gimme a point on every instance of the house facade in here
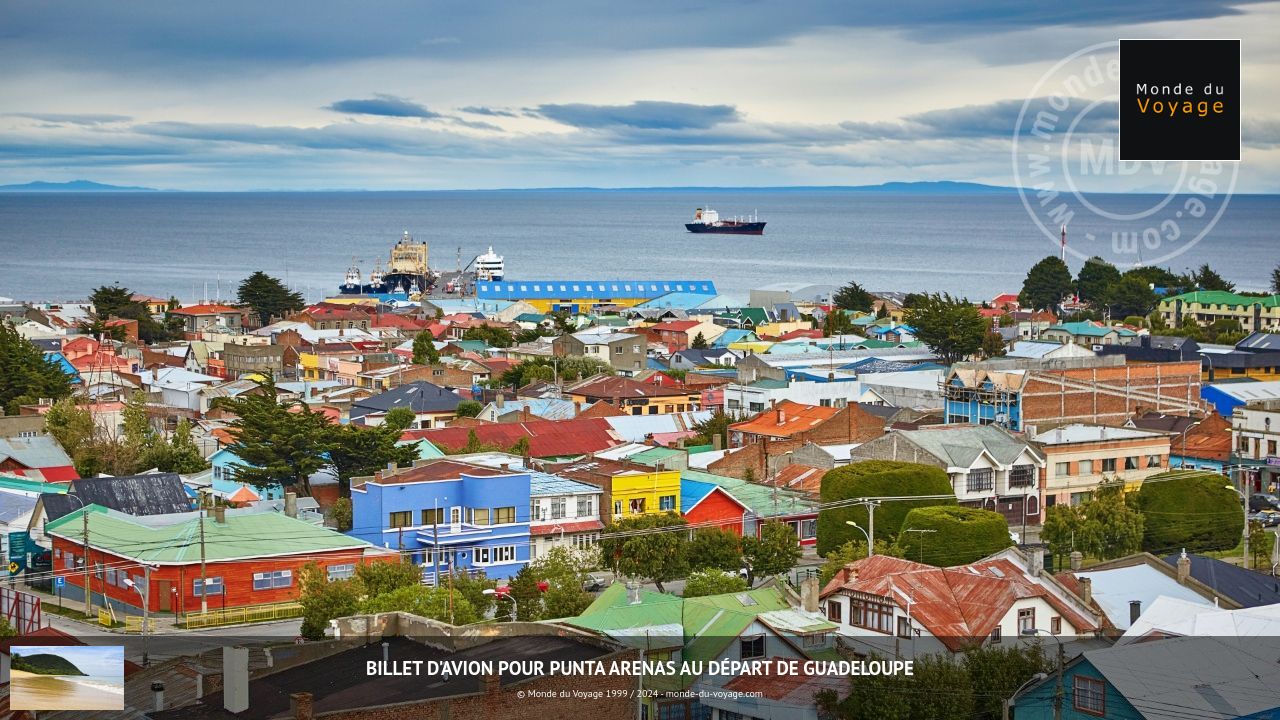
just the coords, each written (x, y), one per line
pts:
(624, 352)
(1255, 442)
(1205, 307)
(1079, 458)
(627, 489)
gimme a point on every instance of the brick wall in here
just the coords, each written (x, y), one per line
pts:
(1114, 394)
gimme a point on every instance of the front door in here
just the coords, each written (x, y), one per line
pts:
(165, 588)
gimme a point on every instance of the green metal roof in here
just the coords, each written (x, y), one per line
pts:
(16, 483)
(1222, 297)
(760, 499)
(250, 535)
(654, 455)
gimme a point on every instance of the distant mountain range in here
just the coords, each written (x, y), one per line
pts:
(72, 186)
(45, 664)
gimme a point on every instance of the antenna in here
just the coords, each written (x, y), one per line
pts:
(1064, 243)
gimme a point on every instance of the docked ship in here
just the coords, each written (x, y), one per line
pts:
(708, 221)
(407, 273)
(489, 266)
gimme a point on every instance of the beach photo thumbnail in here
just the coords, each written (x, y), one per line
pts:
(51, 677)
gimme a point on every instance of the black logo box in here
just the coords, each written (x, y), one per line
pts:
(1205, 73)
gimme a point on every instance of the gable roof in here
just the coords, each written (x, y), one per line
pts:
(421, 397)
(960, 445)
(151, 494)
(547, 438)
(1247, 588)
(786, 419)
(39, 452)
(206, 309)
(693, 492)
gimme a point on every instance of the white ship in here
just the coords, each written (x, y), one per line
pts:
(489, 266)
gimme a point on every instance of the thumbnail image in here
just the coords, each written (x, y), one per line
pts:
(66, 678)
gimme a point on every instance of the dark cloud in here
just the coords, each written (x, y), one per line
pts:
(73, 118)
(490, 112)
(991, 120)
(384, 106)
(642, 114)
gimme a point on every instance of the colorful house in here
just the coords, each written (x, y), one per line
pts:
(448, 515)
(706, 504)
(629, 489)
(225, 466)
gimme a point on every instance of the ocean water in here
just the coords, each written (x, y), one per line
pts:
(61, 246)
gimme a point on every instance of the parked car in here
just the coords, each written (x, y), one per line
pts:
(1268, 518)
(1263, 501)
(593, 584)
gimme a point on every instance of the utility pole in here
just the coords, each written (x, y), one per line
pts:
(204, 581)
(88, 590)
(871, 506)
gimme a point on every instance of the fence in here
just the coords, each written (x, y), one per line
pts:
(236, 616)
(21, 610)
(133, 623)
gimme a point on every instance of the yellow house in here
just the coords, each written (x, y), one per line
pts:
(778, 329)
(755, 346)
(1254, 313)
(629, 490)
(309, 365)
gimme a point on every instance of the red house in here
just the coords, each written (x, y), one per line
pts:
(251, 558)
(706, 504)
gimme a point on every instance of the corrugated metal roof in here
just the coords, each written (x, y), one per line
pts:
(547, 438)
(40, 451)
(634, 428)
(149, 494)
(589, 289)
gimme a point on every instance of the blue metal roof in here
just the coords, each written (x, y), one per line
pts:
(589, 289)
(681, 300)
(541, 483)
(692, 492)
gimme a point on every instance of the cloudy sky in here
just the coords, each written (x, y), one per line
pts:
(414, 94)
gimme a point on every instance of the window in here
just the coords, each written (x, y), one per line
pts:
(111, 577)
(1109, 465)
(341, 572)
(213, 585)
(269, 580)
(494, 555)
(404, 518)
(980, 480)
(637, 506)
(1131, 462)
(814, 640)
(69, 561)
(479, 516)
(1089, 695)
(1026, 620)
(996, 636)
(536, 512)
(835, 613)
(585, 506)
(434, 516)
(1153, 461)
(871, 615)
(1055, 625)
(667, 502)
(557, 508)
(904, 627)
(504, 515)
(752, 647)
(808, 529)
(617, 507)
(1022, 476)
(1086, 467)
(1062, 469)
(618, 350)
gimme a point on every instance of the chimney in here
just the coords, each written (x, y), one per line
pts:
(1184, 568)
(220, 515)
(1077, 560)
(157, 691)
(809, 594)
(1036, 562)
(1135, 611)
(291, 504)
(392, 467)
(500, 401)
(525, 415)
(633, 592)
(505, 465)
(301, 706)
(577, 408)
(1086, 590)
(782, 415)
(386, 654)
(235, 679)
(717, 442)
(773, 402)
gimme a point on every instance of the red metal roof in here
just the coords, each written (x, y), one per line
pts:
(584, 526)
(547, 438)
(209, 309)
(438, 470)
(804, 478)
(676, 325)
(609, 387)
(786, 419)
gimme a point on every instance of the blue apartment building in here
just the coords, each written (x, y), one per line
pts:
(447, 515)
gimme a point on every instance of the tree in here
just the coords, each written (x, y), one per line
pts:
(281, 443)
(359, 450)
(715, 549)
(1131, 296)
(322, 600)
(876, 478)
(853, 297)
(341, 513)
(952, 328)
(380, 578)
(6, 630)
(26, 375)
(852, 551)
(712, 582)
(993, 345)
(427, 601)
(1275, 280)
(491, 335)
(1047, 283)
(837, 322)
(1192, 510)
(1207, 279)
(1096, 279)
(469, 408)
(569, 369)
(1260, 543)
(74, 429)
(699, 342)
(267, 297)
(424, 349)
(472, 587)
(715, 426)
(113, 301)
(564, 570)
(1105, 526)
(178, 454)
(774, 552)
(959, 535)
(658, 555)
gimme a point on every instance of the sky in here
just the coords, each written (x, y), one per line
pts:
(101, 661)
(421, 94)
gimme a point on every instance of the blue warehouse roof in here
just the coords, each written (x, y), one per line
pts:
(589, 289)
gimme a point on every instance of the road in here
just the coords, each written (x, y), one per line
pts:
(168, 643)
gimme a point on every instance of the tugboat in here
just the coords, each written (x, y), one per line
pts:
(351, 285)
(708, 221)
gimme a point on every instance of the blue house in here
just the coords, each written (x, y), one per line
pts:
(447, 515)
(1187, 677)
(225, 467)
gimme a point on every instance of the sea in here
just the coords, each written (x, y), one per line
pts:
(59, 246)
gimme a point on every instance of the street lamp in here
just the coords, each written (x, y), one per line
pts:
(1244, 502)
(507, 595)
(1057, 694)
(145, 594)
(1005, 704)
(870, 550)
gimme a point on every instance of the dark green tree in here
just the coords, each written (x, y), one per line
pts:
(837, 322)
(323, 600)
(1105, 526)
(113, 301)
(853, 297)
(1131, 296)
(1192, 510)
(280, 442)
(775, 551)
(427, 601)
(712, 582)
(952, 328)
(564, 571)
(341, 514)
(1047, 283)
(1206, 278)
(955, 535)
(1275, 280)
(715, 426)
(380, 578)
(658, 555)
(267, 297)
(469, 408)
(358, 450)
(993, 345)
(26, 375)
(491, 335)
(851, 551)
(1095, 281)
(424, 349)
(713, 548)
(699, 342)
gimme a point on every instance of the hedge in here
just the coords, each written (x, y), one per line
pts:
(876, 478)
(960, 535)
(1192, 510)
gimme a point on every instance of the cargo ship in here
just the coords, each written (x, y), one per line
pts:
(407, 273)
(708, 221)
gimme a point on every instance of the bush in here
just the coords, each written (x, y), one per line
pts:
(876, 478)
(961, 535)
(713, 582)
(1192, 510)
